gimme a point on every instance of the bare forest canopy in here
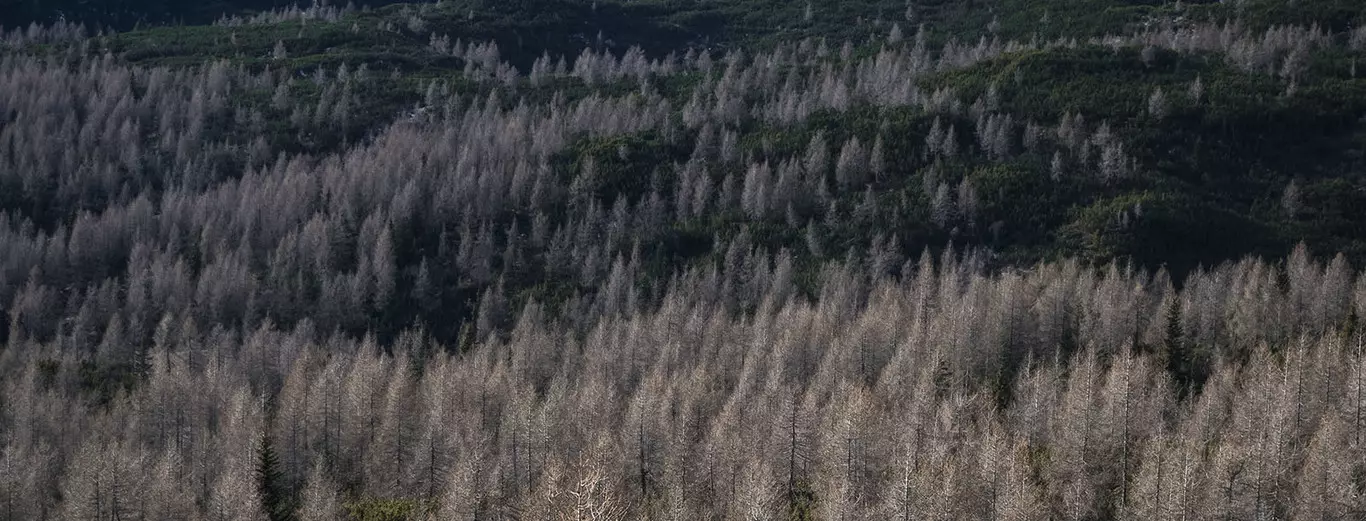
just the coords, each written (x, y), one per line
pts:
(683, 259)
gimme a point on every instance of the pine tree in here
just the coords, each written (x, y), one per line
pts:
(270, 482)
(1178, 354)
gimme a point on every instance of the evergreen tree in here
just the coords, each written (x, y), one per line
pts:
(270, 482)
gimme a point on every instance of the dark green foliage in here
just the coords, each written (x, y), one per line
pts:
(1336, 15)
(625, 166)
(1210, 173)
(270, 480)
(124, 14)
(1186, 366)
(103, 382)
(1332, 214)
(387, 510)
(1162, 229)
(802, 502)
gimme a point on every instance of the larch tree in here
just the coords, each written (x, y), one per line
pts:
(100, 484)
(1325, 487)
(320, 499)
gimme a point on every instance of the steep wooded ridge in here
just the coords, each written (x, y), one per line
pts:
(685, 259)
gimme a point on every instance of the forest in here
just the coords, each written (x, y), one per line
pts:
(1075, 260)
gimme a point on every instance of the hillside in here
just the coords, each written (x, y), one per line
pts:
(1209, 134)
(476, 225)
